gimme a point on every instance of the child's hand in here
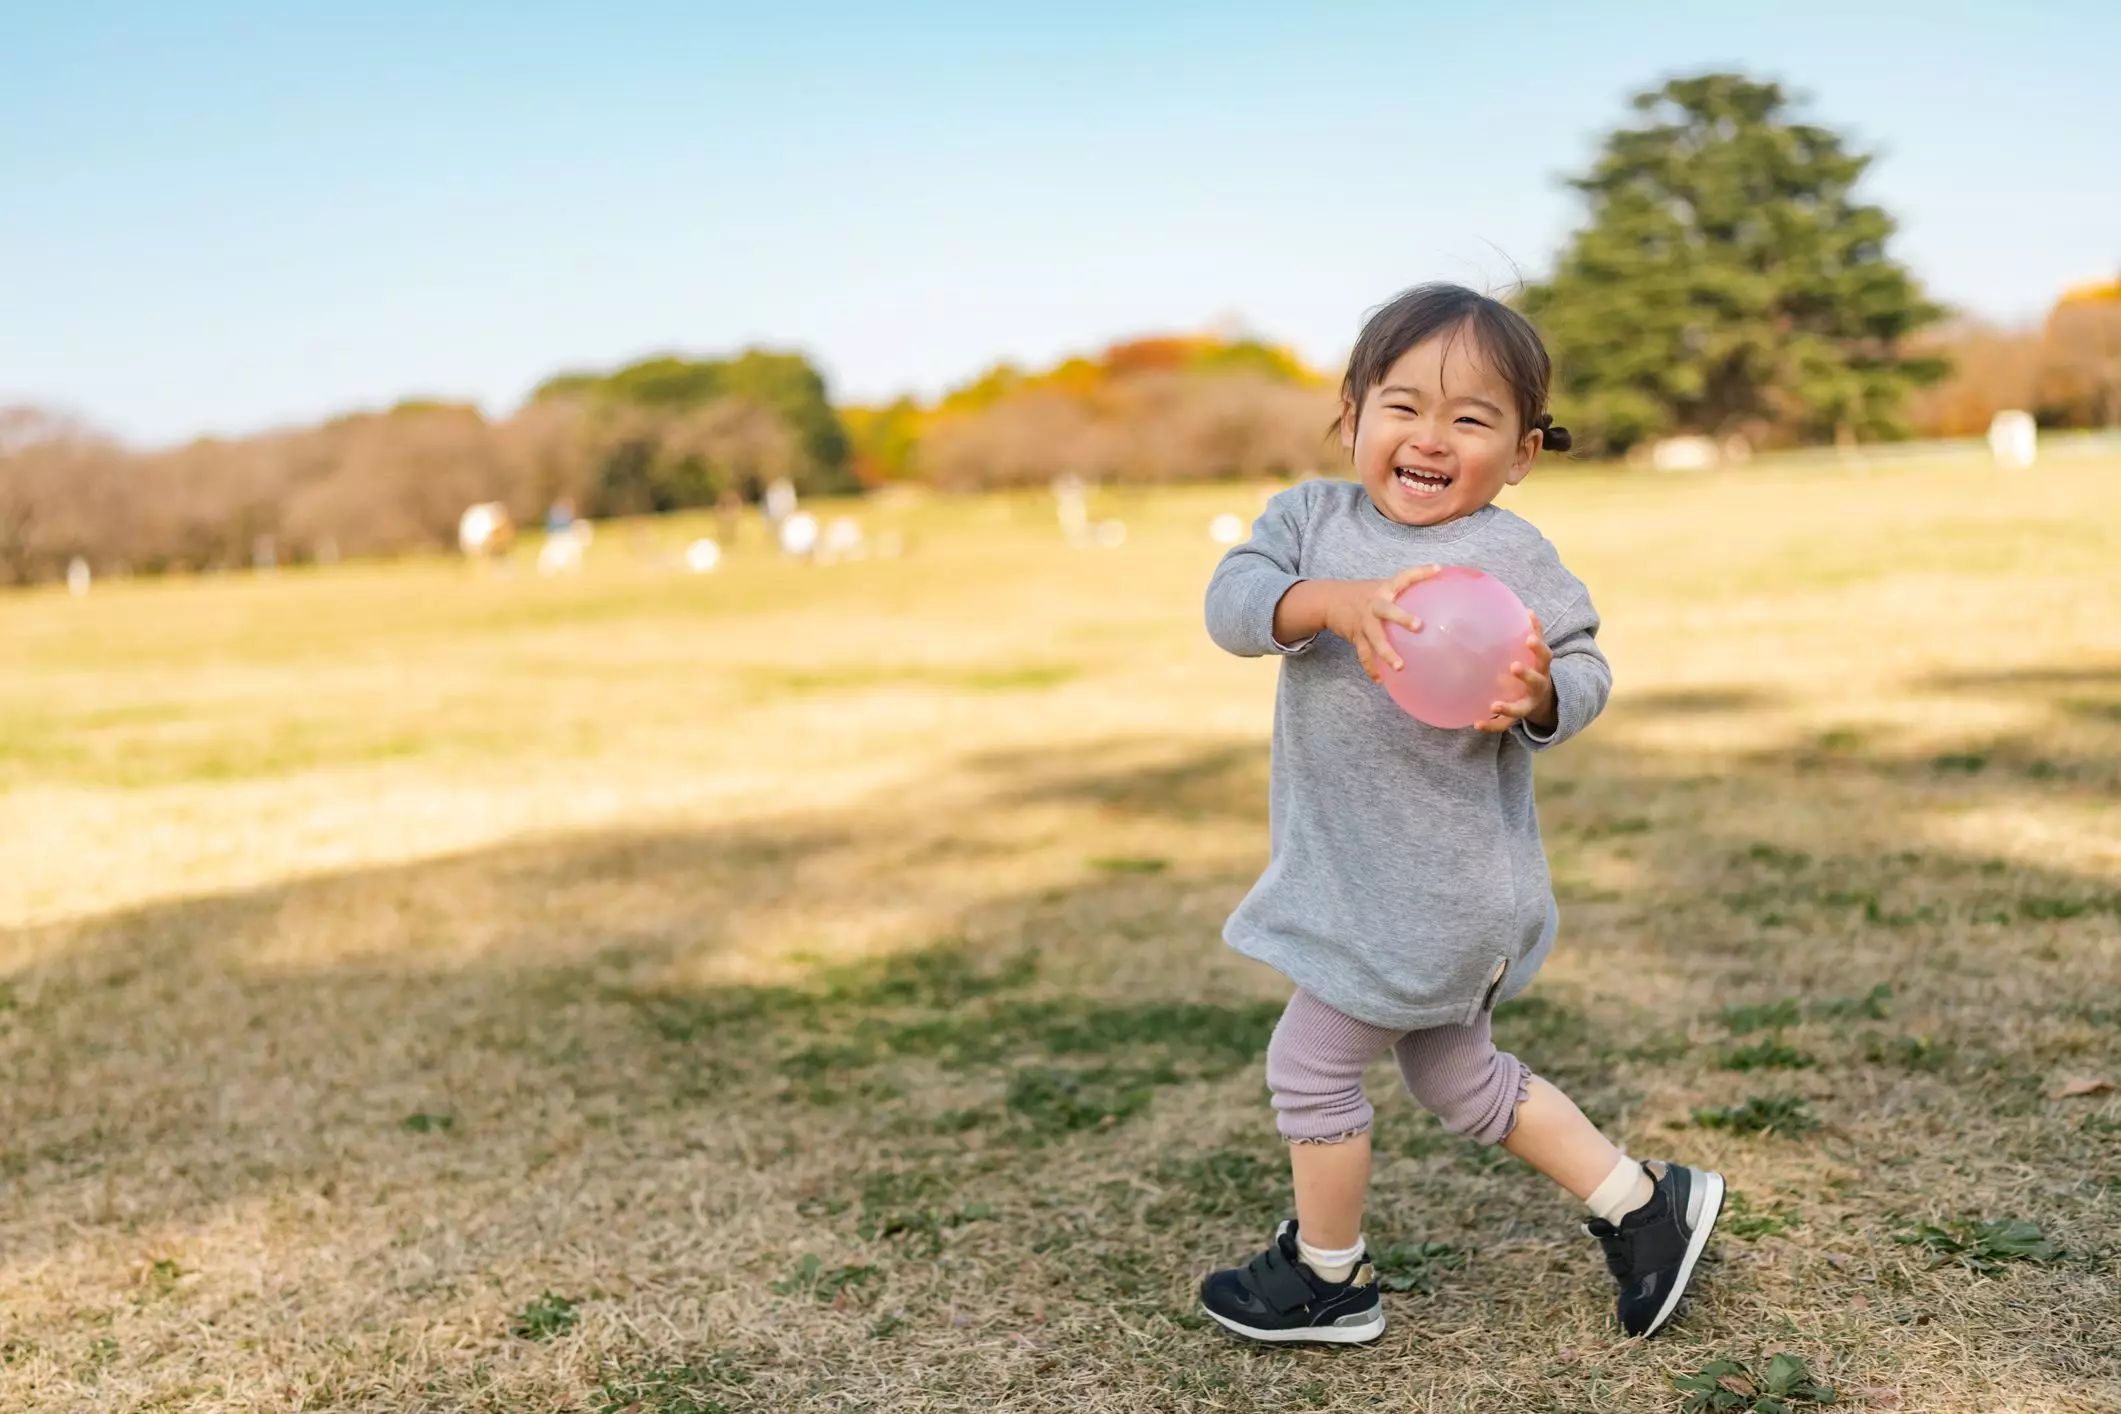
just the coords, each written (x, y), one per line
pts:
(1537, 705)
(1362, 608)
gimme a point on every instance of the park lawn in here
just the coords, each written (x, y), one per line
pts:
(799, 988)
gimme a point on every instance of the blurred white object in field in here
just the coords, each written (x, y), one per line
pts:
(1226, 529)
(77, 577)
(842, 540)
(779, 501)
(483, 530)
(562, 551)
(2013, 440)
(1684, 454)
(798, 534)
(703, 555)
(1071, 502)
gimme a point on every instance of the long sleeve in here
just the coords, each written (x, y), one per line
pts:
(1583, 680)
(1252, 578)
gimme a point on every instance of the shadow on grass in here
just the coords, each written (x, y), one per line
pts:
(507, 1023)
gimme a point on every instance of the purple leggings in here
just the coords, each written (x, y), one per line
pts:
(1316, 1060)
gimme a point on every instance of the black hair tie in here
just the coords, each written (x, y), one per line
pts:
(1554, 439)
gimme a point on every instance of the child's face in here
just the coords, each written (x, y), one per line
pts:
(1438, 436)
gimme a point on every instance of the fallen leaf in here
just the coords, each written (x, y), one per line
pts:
(1839, 1261)
(1877, 1396)
(1738, 1385)
(2083, 1085)
(1859, 1303)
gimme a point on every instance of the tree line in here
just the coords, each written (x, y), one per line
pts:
(1728, 280)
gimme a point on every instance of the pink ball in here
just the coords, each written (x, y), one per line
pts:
(1458, 665)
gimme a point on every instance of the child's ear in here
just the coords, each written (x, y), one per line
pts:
(1527, 453)
(1347, 423)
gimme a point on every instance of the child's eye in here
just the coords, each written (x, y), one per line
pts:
(1399, 407)
(1474, 420)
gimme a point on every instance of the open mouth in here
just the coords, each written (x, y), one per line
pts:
(1417, 481)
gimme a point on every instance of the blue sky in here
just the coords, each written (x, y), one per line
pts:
(216, 217)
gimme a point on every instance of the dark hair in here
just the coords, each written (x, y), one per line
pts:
(1505, 338)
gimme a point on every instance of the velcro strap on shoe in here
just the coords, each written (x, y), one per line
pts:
(1661, 1244)
(1279, 1283)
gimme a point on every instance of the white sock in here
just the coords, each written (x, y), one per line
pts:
(1328, 1264)
(1625, 1189)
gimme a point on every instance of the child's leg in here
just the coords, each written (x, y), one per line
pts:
(1456, 1073)
(1553, 1136)
(1653, 1227)
(1314, 1066)
(1312, 1283)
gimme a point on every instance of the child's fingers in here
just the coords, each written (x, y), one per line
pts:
(1535, 692)
(1381, 646)
(1365, 656)
(1412, 575)
(1390, 612)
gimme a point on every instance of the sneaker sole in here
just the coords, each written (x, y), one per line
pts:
(1308, 1335)
(1711, 1209)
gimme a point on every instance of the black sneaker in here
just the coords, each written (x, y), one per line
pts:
(1277, 1297)
(1653, 1251)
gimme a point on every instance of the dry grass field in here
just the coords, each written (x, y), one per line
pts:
(800, 988)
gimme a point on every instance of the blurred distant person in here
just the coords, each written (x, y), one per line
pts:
(729, 515)
(566, 537)
(1407, 890)
(780, 500)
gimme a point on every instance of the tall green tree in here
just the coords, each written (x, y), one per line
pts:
(1729, 281)
(661, 405)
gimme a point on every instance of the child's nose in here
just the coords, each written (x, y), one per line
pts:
(1426, 437)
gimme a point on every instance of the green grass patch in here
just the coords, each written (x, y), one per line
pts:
(1918, 1053)
(1048, 1101)
(944, 976)
(1544, 1026)
(2046, 908)
(813, 1278)
(1745, 1019)
(546, 1318)
(1980, 1247)
(699, 1388)
(1221, 1183)
(908, 1205)
(1760, 1016)
(1766, 1055)
(1871, 1006)
(1960, 763)
(1787, 861)
(1786, 1115)
(1747, 1223)
(1022, 679)
(1415, 1266)
(2095, 710)
(421, 1122)
(1147, 865)
(1609, 829)
(1730, 1387)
